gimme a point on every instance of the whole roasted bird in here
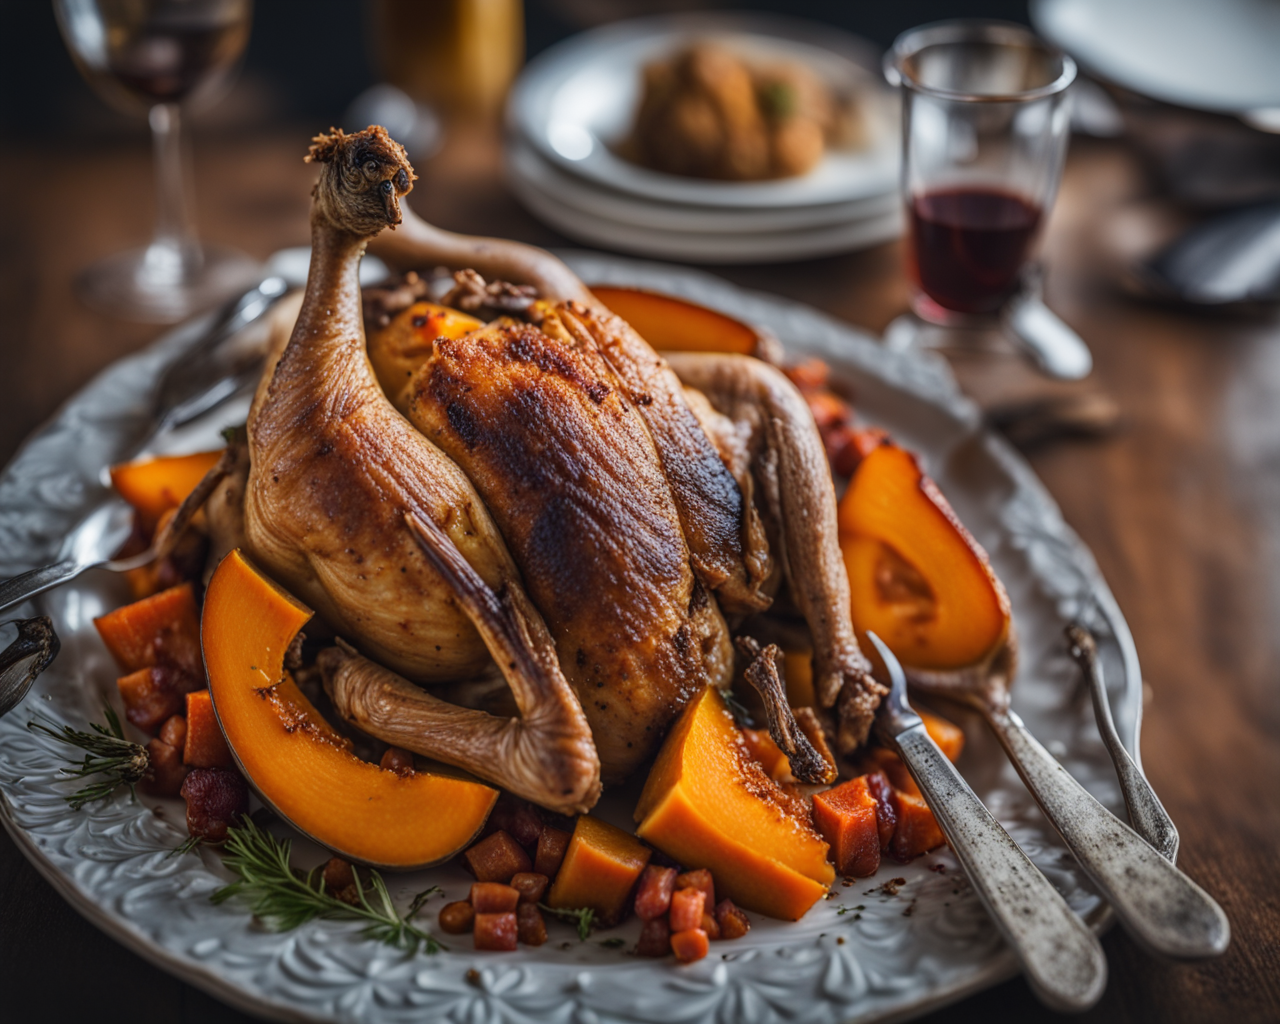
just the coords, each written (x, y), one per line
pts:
(560, 501)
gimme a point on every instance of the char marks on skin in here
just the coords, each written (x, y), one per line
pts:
(715, 518)
(567, 467)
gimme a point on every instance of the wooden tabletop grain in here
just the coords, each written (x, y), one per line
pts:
(1181, 506)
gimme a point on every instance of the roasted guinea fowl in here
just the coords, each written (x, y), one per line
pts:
(560, 504)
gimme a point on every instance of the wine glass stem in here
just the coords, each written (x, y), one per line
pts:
(174, 253)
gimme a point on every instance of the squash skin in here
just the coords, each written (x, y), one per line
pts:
(917, 577)
(359, 810)
(707, 803)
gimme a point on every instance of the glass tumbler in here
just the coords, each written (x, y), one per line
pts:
(984, 131)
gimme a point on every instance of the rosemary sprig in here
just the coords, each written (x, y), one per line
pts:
(189, 844)
(108, 753)
(285, 897)
(583, 917)
(418, 901)
(741, 716)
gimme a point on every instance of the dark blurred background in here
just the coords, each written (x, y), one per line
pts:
(307, 60)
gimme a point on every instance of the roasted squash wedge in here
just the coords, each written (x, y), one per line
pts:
(357, 809)
(677, 325)
(153, 486)
(917, 577)
(709, 804)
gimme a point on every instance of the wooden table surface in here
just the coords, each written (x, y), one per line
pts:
(1181, 508)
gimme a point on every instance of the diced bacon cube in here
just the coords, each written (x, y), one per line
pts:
(687, 906)
(497, 858)
(496, 932)
(493, 897)
(690, 945)
(552, 844)
(653, 893)
(531, 886)
(732, 921)
(655, 938)
(700, 879)
(530, 927)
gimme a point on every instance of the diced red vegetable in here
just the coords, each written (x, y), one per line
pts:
(165, 770)
(518, 818)
(497, 858)
(530, 885)
(206, 747)
(531, 929)
(457, 918)
(847, 818)
(687, 906)
(395, 759)
(552, 844)
(829, 410)
(153, 695)
(917, 831)
(496, 932)
(732, 921)
(216, 799)
(655, 938)
(699, 879)
(653, 892)
(159, 630)
(899, 775)
(690, 945)
(174, 731)
(809, 374)
(886, 817)
(493, 897)
(710, 925)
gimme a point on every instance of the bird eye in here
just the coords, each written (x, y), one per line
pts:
(386, 188)
(402, 180)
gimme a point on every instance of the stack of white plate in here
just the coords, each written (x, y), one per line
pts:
(573, 104)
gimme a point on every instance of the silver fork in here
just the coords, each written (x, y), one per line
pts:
(191, 387)
(1062, 958)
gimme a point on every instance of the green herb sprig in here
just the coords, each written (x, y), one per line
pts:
(583, 917)
(120, 761)
(285, 897)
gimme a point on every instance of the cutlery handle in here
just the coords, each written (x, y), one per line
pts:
(1159, 905)
(1062, 958)
(28, 584)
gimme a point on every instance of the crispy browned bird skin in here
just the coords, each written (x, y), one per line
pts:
(334, 473)
(555, 446)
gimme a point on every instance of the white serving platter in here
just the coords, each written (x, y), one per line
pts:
(897, 956)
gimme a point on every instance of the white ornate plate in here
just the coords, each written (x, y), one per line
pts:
(863, 955)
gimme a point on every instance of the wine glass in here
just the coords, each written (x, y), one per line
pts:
(160, 58)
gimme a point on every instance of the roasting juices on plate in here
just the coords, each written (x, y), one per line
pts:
(494, 535)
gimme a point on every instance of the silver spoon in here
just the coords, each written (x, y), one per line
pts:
(213, 371)
(1062, 958)
(1159, 905)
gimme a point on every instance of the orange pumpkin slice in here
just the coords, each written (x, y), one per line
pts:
(301, 768)
(708, 804)
(917, 577)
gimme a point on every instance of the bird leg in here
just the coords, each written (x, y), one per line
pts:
(807, 765)
(799, 498)
(547, 755)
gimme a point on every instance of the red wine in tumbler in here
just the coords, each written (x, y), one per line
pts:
(968, 245)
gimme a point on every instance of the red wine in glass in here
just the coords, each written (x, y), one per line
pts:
(968, 245)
